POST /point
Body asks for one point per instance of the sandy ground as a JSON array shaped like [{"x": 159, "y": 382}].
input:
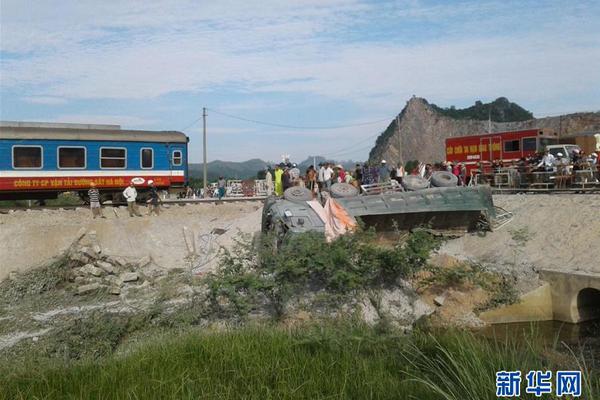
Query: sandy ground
[
  {"x": 31, "y": 238},
  {"x": 555, "y": 231}
]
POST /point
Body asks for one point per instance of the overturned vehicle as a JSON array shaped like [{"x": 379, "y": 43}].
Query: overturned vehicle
[{"x": 388, "y": 207}]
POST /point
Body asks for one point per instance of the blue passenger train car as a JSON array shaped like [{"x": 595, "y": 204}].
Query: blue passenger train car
[{"x": 40, "y": 160}]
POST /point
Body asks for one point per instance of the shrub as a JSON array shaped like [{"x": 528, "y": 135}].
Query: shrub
[{"x": 255, "y": 273}]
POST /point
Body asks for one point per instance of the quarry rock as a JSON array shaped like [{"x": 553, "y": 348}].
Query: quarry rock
[{"x": 422, "y": 131}]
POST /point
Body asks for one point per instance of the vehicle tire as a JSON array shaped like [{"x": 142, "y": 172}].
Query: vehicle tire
[
  {"x": 297, "y": 193},
  {"x": 413, "y": 182},
  {"x": 443, "y": 179},
  {"x": 343, "y": 190}
]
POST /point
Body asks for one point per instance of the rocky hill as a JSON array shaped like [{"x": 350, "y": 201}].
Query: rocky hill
[{"x": 424, "y": 127}]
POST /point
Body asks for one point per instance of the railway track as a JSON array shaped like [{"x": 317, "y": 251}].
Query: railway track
[
  {"x": 181, "y": 202},
  {"x": 592, "y": 190},
  {"x": 495, "y": 190}
]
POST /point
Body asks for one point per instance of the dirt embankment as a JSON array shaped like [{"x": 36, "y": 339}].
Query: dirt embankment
[
  {"x": 32, "y": 238},
  {"x": 559, "y": 232}
]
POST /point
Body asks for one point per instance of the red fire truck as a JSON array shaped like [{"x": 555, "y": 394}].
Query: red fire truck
[{"x": 504, "y": 146}]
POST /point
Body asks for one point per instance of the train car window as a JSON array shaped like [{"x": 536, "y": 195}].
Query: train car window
[
  {"x": 71, "y": 157},
  {"x": 147, "y": 158},
  {"x": 529, "y": 144},
  {"x": 177, "y": 157},
  {"x": 111, "y": 157},
  {"x": 512, "y": 145},
  {"x": 27, "y": 156}
]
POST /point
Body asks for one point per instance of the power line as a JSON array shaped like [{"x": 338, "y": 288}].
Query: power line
[
  {"x": 352, "y": 147},
  {"x": 296, "y": 126},
  {"x": 192, "y": 124},
  {"x": 353, "y": 151}
]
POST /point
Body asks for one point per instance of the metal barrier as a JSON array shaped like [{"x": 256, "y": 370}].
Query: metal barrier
[{"x": 510, "y": 179}]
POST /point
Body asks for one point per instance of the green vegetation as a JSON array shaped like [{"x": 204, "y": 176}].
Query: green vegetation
[
  {"x": 339, "y": 360},
  {"x": 256, "y": 274},
  {"x": 499, "y": 110},
  {"x": 502, "y": 288}
]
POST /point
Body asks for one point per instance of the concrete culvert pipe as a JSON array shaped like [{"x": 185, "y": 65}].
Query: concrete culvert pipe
[
  {"x": 414, "y": 182},
  {"x": 297, "y": 193},
  {"x": 443, "y": 179},
  {"x": 343, "y": 190}
]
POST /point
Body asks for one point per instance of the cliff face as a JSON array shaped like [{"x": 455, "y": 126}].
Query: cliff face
[{"x": 423, "y": 131}]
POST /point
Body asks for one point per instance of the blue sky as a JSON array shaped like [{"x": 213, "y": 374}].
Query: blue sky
[{"x": 155, "y": 64}]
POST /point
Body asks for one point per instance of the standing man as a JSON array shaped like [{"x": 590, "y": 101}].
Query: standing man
[
  {"x": 95, "y": 206},
  {"x": 548, "y": 162},
  {"x": 269, "y": 181},
  {"x": 358, "y": 174},
  {"x": 294, "y": 174},
  {"x": 384, "y": 172},
  {"x": 327, "y": 176},
  {"x": 130, "y": 195},
  {"x": 320, "y": 177},
  {"x": 153, "y": 200},
  {"x": 221, "y": 187}
]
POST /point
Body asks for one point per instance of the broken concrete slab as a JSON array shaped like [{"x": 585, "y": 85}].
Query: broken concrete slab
[
  {"x": 439, "y": 300},
  {"x": 119, "y": 261},
  {"x": 88, "y": 252},
  {"x": 116, "y": 290},
  {"x": 107, "y": 267},
  {"x": 92, "y": 270},
  {"x": 92, "y": 287},
  {"x": 144, "y": 261},
  {"x": 129, "y": 277},
  {"x": 80, "y": 258}
]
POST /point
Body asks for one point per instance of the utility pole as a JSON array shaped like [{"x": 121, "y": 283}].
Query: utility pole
[
  {"x": 205, "y": 174},
  {"x": 399, "y": 140}
]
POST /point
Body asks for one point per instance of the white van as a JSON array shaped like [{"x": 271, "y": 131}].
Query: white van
[{"x": 565, "y": 149}]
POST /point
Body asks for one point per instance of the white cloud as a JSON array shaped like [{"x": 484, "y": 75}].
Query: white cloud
[
  {"x": 49, "y": 100},
  {"x": 371, "y": 56}
]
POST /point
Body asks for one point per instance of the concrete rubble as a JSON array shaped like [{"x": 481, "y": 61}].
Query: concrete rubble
[{"x": 93, "y": 271}]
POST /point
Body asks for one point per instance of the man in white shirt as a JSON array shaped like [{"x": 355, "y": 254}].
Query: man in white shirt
[
  {"x": 548, "y": 162},
  {"x": 320, "y": 178},
  {"x": 327, "y": 175},
  {"x": 130, "y": 195},
  {"x": 269, "y": 181}
]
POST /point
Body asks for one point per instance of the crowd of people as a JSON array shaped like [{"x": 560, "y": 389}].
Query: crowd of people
[
  {"x": 320, "y": 178},
  {"x": 561, "y": 168},
  {"x": 285, "y": 175}
]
